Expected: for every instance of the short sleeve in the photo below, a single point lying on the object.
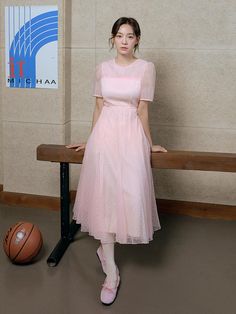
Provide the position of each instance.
(148, 82)
(97, 88)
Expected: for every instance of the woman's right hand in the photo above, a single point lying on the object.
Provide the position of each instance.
(77, 146)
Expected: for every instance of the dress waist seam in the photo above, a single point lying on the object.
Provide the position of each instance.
(120, 106)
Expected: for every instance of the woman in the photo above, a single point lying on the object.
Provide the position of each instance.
(115, 200)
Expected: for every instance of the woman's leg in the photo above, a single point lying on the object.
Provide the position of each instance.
(108, 247)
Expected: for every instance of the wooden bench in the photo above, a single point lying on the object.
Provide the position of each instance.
(185, 160)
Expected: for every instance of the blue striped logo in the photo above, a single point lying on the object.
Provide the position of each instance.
(25, 36)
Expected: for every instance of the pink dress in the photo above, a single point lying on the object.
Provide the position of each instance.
(115, 192)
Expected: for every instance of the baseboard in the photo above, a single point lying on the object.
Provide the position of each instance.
(194, 209)
(1, 189)
(197, 209)
(30, 200)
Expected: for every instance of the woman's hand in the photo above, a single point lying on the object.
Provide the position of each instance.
(77, 146)
(158, 148)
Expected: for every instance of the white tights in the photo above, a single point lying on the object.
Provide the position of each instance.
(108, 252)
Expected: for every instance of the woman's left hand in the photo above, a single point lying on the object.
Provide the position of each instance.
(158, 148)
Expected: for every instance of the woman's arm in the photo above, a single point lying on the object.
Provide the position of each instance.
(97, 110)
(96, 114)
(143, 115)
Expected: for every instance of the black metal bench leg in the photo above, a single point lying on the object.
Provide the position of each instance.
(68, 230)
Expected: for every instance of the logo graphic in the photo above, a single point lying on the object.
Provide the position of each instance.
(31, 40)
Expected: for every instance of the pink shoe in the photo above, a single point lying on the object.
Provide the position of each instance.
(108, 295)
(101, 258)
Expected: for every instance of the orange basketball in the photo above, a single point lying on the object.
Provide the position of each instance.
(22, 242)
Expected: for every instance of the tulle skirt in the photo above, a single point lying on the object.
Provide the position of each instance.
(115, 192)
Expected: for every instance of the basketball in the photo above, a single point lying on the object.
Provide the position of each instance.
(22, 242)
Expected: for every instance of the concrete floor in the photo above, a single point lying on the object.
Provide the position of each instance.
(189, 268)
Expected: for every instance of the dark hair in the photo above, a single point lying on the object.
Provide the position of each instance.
(125, 20)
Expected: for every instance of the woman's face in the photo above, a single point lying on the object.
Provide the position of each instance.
(125, 40)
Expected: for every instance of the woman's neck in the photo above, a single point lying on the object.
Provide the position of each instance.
(125, 60)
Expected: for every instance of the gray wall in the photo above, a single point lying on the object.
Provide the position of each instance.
(192, 44)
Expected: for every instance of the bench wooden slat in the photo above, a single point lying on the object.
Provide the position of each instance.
(173, 159)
